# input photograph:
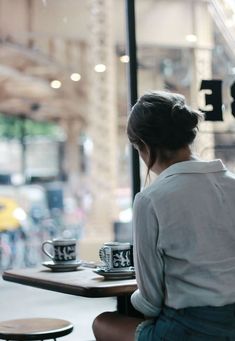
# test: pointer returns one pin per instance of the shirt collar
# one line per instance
(193, 166)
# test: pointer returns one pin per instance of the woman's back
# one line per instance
(194, 206)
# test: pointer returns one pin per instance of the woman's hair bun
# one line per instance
(185, 117)
(162, 121)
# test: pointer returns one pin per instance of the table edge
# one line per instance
(70, 289)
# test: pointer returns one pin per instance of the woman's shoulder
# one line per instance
(154, 190)
(158, 185)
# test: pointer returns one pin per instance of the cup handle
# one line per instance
(44, 249)
(102, 253)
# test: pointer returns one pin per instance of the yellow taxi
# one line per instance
(11, 214)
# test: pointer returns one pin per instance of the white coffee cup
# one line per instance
(116, 255)
(63, 250)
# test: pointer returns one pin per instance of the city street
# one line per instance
(18, 301)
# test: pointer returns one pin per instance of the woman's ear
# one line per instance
(145, 147)
(145, 154)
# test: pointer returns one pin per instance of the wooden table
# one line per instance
(83, 282)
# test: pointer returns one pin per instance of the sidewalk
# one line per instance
(19, 301)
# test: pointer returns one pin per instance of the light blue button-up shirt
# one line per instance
(184, 238)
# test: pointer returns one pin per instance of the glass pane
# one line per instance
(181, 43)
(65, 155)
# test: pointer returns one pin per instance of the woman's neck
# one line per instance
(183, 154)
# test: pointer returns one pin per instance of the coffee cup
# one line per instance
(63, 250)
(116, 256)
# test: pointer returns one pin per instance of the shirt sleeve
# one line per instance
(148, 261)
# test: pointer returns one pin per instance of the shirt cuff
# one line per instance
(142, 305)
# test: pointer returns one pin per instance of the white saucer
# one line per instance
(126, 269)
(116, 274)
(62, 267)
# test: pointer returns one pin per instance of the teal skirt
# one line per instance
(190, 324)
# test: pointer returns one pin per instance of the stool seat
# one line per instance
(34, 329)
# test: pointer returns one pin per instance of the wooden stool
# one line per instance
(34, 329)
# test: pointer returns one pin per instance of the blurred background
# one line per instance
(64, 154)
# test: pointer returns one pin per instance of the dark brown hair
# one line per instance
(162, 121)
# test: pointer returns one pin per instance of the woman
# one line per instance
(184, 233)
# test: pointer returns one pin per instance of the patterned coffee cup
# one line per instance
(116, 256)
(63, 250)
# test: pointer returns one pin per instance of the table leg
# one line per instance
(125, 307)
